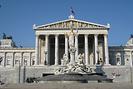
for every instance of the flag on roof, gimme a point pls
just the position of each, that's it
(72, 11)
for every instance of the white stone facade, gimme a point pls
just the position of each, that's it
(17, 56)
(122, 55)
(11, 56)
(52, 43)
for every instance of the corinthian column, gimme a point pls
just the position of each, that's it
(96, 47)
(106, 49)
(76, 46)
(66, 45)
(46, 49)
(56, 50)
(37, 50)
(86, 49)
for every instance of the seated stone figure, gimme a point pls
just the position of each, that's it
(80, 59)
(64, 60)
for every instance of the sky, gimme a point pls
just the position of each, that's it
(18, 16)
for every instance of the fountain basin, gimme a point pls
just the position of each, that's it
(74, 78)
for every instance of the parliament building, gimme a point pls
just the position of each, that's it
(51, 43)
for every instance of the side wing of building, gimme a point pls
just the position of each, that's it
(122, 55)
(17, 56)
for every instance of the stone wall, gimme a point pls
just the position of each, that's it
(119, 73)
(20, 74)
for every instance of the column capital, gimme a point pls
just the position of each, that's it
(66, 36)
(57, 35)
(105, 34)
(37, 35)
(86, 34)
(47, 35)
(96, 34)
(76, 34)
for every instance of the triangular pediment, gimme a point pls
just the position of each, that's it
(71, 22)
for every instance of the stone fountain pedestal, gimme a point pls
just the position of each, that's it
(74, 78)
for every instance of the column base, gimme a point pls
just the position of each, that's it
(102, 64)
(107, 64)
(56, 64)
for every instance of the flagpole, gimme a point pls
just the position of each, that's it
(72, 11)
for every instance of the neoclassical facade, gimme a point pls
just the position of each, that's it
(11, 56)
(52, 42)
(91, 39)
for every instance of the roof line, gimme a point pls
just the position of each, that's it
(106, 26)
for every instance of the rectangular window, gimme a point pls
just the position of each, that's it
(33, 62)
(8, 61)
(25, 62)
(16, 61)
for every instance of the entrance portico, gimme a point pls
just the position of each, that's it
(52, 42)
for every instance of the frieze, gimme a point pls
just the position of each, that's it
(67, 24)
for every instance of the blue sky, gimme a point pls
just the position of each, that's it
(18, 16)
